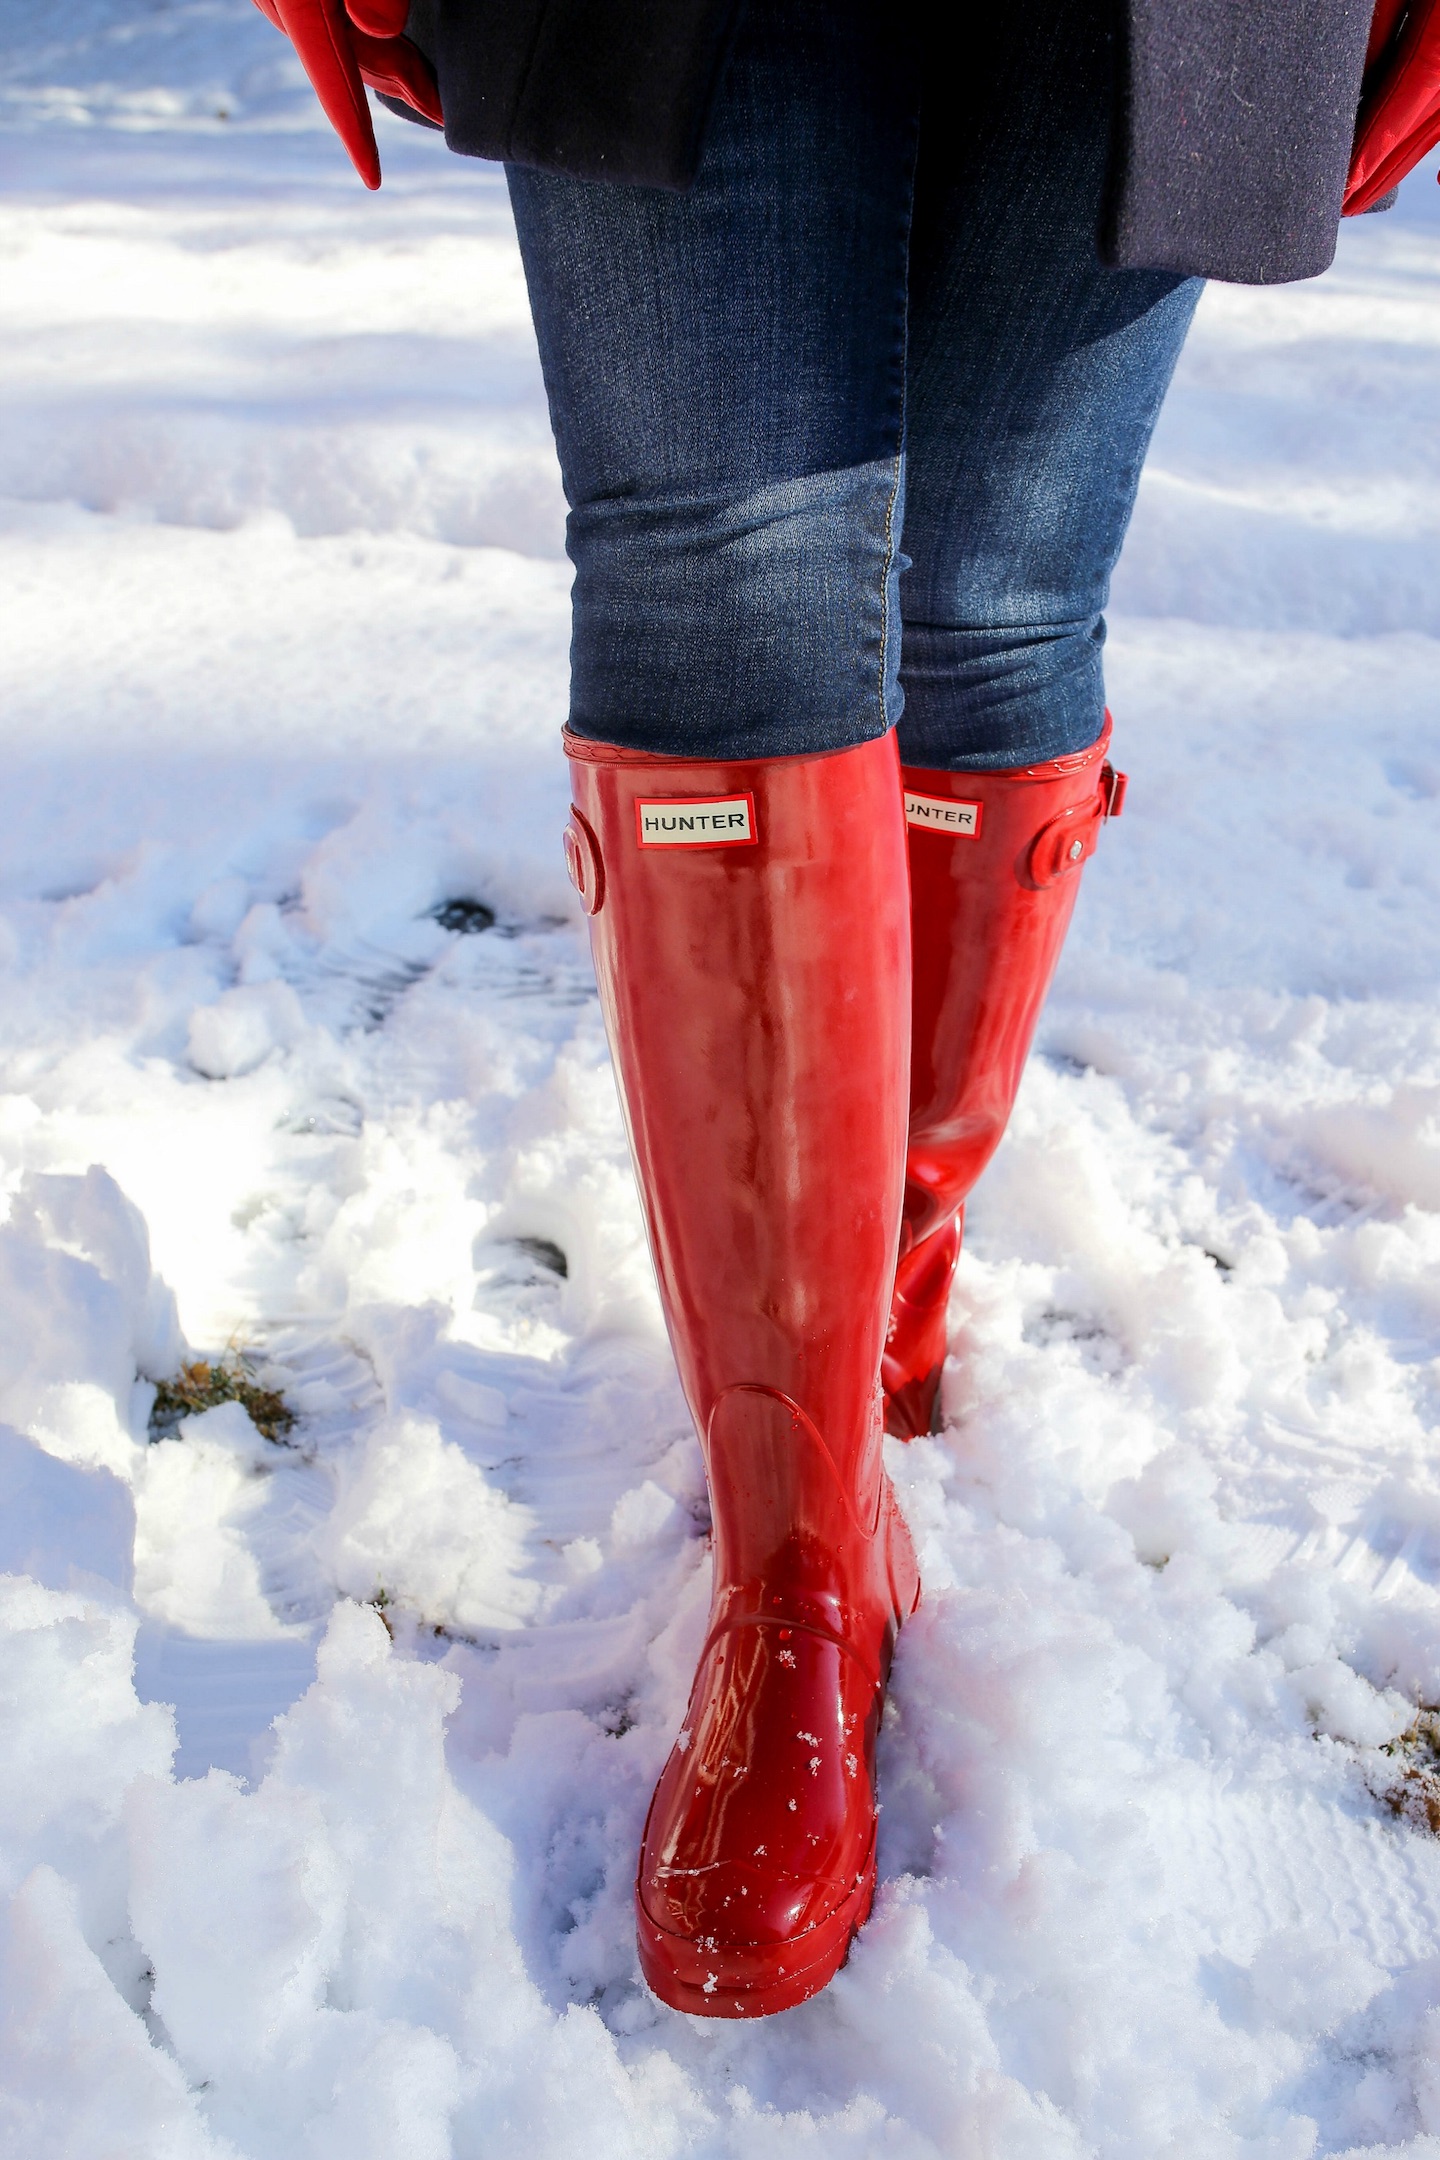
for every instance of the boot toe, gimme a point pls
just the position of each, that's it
(758, 1861)
(710, 1975)
(738, 1905)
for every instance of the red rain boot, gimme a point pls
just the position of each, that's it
(750, 930)
(995, 861)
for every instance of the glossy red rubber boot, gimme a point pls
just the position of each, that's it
(750, 928)
(995, 862)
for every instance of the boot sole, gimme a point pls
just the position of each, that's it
(751, 1980)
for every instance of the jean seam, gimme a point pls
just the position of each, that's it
(886, 632)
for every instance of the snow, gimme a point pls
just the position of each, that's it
(327, 1758)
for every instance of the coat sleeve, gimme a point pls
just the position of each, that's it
(1237, 119)
(600, 89)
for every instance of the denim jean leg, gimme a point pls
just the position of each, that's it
(1035, 379)
(726, 373)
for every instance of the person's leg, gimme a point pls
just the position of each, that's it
(726, 377)
(726, 380)
(1035, 377)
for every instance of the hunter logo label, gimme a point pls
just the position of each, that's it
(937, 813)
(697, 821)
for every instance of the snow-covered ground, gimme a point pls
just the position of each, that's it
(282, 645)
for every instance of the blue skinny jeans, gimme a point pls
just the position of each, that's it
(851, 432)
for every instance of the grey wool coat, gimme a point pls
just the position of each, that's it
(1236, 116)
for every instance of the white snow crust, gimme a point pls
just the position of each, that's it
(325, 1760)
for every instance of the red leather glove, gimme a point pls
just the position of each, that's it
(344, 44)
(1399, 118)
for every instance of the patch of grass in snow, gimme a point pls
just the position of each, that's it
(1407, 1782)
(203, 1386)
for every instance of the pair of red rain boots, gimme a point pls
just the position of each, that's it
(751, 925)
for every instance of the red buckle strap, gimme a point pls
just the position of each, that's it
(1067, 842)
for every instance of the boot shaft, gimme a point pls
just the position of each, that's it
(750, 927)
(995, 861)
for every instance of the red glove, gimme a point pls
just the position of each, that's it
(1399, 118)
(344, 44)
